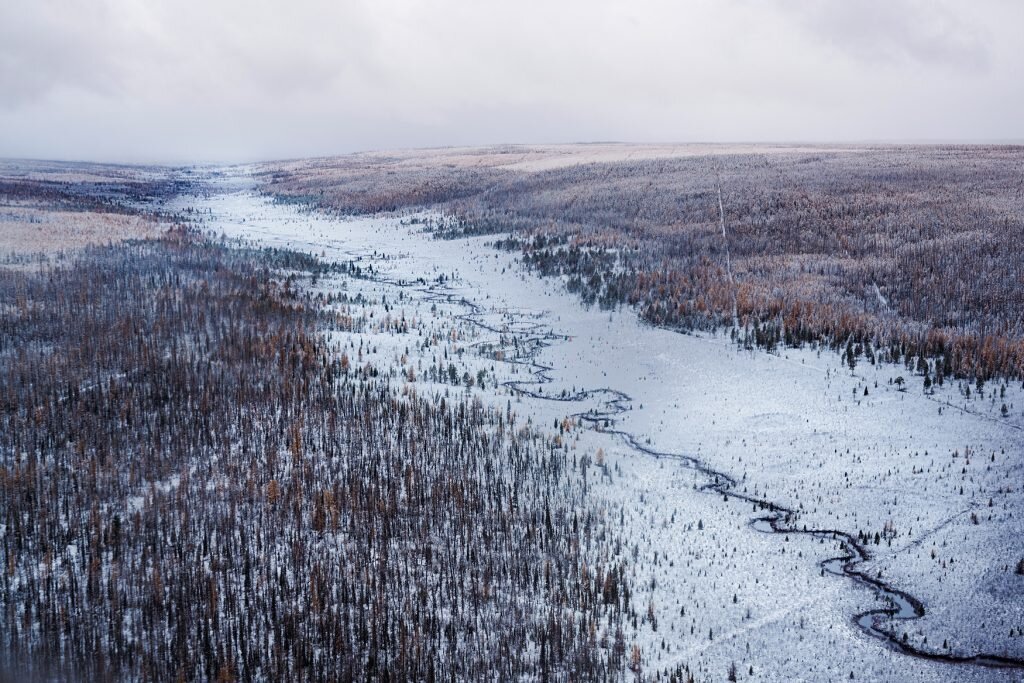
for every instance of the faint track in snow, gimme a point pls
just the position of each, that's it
(752, 625)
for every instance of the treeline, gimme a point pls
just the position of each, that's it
(194, 487)
(98, 196)
(375, 184)
(912, 249)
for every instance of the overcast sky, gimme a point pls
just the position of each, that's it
(209, 80)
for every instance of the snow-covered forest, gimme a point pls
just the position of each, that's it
(194, 487)
(908, 250)
(244, 437)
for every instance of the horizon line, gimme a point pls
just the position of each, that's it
(880, 142)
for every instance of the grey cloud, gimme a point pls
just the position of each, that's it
(50, 45)
(930, 33)
(225, 79)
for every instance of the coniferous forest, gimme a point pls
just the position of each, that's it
(908, 250)
(243, 439)
(194, 488)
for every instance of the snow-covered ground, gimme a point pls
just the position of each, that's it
(938, 477)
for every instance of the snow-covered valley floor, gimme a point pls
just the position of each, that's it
(938, 478)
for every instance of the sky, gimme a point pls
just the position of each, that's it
(182, 81)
